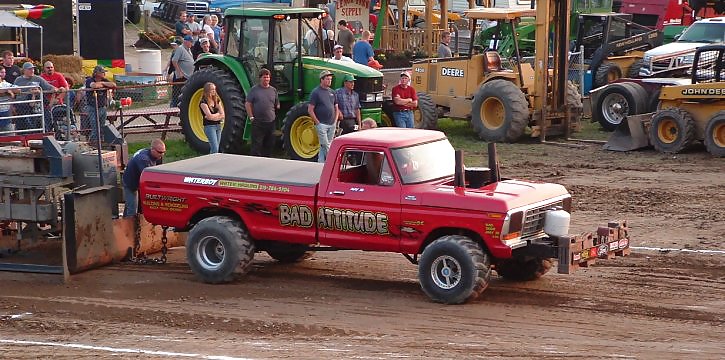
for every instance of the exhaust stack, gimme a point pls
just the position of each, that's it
(493, 163)
(459, 179)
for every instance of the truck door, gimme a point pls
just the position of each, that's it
(360, 208)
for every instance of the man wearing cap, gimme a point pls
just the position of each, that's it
(324, 112)
(337, 54)
(203, 46)
(183, 63)
(362, 52)
(33, 85)
(348, 101)
(405, 100)
(97, 100)
(262, 105)
(345, 38)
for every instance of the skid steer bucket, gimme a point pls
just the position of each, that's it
(631, 134)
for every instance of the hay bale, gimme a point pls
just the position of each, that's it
(66, 64)
(75, 80)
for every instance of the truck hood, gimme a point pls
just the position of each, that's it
(673, 47)
(499, 197)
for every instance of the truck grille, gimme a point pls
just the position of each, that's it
(196, 6)
(534, 219)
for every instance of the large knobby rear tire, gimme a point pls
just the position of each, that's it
(672, 130)
(633, 71)
(606, 73)
(386, 117)
(715, 135)
(454, 269)
(289, 253)
(218, 249)
(500, 112)
(523, 270)
(300, 134)
(616, 102)
(426, 115)
(192, 122)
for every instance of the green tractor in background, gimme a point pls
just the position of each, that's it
(271, 38)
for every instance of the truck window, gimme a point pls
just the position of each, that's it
(424, 162)
(365, 167)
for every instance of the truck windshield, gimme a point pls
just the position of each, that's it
(707, 32)
(424, 162)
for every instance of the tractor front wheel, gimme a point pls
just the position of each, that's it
(715, 135)
(426, 115)
(300, 134)
(672, 130)
(232, 98)
(606, 73)
(500, 111)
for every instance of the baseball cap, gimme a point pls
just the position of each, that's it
(338, 46)
(325, 73)
(203, 40)
(188, 38)
(349, 77)
(28, 65)
(375, 64)
(405, 73)
(99, 69)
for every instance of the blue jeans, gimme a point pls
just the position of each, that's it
(325, 134)
(214, 134)
(404, 119)
(131, 199)
(91, 111)
(6, 124)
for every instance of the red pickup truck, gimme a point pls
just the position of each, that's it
(388, 189)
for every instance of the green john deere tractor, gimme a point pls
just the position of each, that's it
(271, 38)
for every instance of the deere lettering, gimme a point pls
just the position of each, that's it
(200, 181)
(692, 91)
(452, 72)
(295, 215)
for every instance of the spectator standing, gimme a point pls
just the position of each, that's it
(405, 100)
(324, 111)
(30, 79)
(312, 42)
(209, 32)
(97, 100)
(262, 104)
(444, 49)
(203, 46)
(193, 26)
(327, 22)
(362, 51)
(132, 175)
(337, 54)
(57, 80)
(348, 102)
(213, 111)
(180, 26)
(6, 125)
(345, 38)
(183, 64)
(217, 29)
(12, 71)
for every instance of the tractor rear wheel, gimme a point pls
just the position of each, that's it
(218, 249)
(386, 118)
(500, 111)
(606, 73)
(426, 116)
(672, 130)
(454, 269)
(523, 270)
(633, 71)
(715, 135)
(616, 102)
(192, 121)
(300, 134)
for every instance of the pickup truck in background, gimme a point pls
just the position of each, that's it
(387, 189)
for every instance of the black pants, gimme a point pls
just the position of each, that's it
(348, 125)
(262, 138)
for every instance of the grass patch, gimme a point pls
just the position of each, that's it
(175, 150)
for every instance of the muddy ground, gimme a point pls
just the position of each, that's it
(353, 305)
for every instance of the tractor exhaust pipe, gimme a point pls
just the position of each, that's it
(493, 163)
(459, 179)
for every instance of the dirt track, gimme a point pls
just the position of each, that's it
(651, 305)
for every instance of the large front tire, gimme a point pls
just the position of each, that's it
(672, 130)
(500, 112)
(426, 115)
(218, 250)
(523, 270)
(192, 122)
(616, 102)
(300, 134)
(715, 135)
(454, 269)
(606, 73)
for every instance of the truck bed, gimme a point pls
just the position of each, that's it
(248, 168)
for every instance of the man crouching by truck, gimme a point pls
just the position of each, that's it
(132, 175)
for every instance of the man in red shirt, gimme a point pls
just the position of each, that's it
(405, 100)
(56, 79)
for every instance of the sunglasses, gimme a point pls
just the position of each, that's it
(160, 152)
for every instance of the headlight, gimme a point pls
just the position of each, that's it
(369, 97)
(379, 97)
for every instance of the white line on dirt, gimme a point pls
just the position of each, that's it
(119, 350)
(682, 250)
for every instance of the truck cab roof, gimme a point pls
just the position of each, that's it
(390, 137)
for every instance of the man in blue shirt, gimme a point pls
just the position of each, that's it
(362, 51)
(324, 112)
(132, 175)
